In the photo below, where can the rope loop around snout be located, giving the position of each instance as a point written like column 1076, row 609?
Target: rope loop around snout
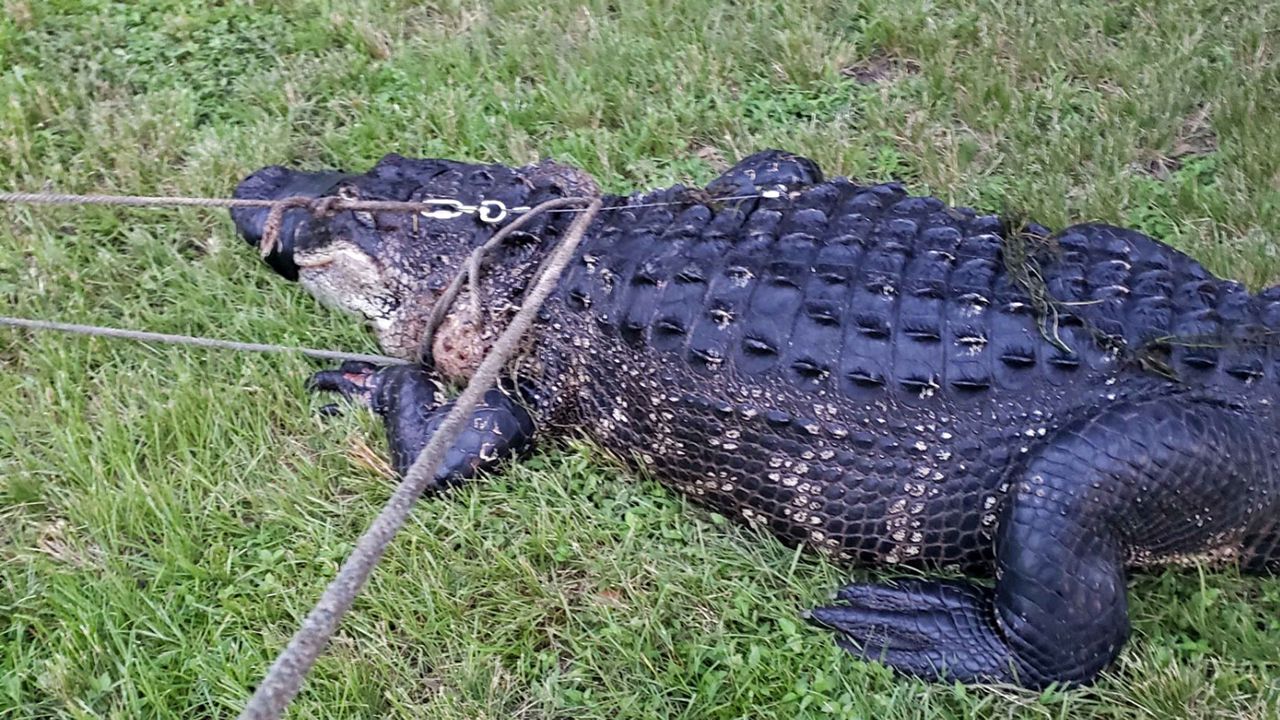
column 321, row 207
column 275, row 218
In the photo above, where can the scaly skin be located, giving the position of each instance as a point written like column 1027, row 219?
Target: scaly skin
column 857, row 370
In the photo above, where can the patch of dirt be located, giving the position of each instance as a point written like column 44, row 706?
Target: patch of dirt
column 713, row 157
column 58, row 542
column 610, row 597
column 879, row 69
column 1194, row 139
column 377, row 44
column 19, row 11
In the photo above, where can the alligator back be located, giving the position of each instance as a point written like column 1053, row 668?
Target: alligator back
column 1124, row 290
column 863, row 291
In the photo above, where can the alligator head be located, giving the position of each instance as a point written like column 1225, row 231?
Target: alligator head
column 389, row 267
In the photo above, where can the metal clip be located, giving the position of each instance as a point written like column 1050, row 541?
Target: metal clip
column 487, row 211
column 452, row 209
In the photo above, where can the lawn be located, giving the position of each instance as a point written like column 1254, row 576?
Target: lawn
column 168, row 515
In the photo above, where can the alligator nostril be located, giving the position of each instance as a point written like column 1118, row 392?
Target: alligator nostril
column 276, row 183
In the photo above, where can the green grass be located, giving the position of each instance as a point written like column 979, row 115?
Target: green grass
column 167, row 516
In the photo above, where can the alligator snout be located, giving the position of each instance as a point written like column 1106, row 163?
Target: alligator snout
column 276, row 183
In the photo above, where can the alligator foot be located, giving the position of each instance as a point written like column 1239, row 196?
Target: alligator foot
column 354, row 381
column 411, row 401
column 933, row 630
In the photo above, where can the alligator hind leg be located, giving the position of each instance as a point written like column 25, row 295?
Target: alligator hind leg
column 412, row 404
column 1163, row 480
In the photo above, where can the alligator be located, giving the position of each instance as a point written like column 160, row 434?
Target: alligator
column 865, row 373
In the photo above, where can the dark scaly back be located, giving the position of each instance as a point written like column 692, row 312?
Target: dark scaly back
column 1172, row 316
column 855, row 291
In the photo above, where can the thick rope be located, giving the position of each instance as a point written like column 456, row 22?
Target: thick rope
column 285, row 677
column 131, row 200
column 320, row 206
column 154, row 337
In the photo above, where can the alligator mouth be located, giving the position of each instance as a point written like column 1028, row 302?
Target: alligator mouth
column 344, row 277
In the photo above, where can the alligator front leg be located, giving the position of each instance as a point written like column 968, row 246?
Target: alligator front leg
column 411, row 401
column 1133, row 484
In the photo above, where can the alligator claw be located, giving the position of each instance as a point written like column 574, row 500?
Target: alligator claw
column 330, row 410
column 354, row 381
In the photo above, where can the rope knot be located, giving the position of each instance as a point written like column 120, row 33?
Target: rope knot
column 327, row 205
column 275, row 219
